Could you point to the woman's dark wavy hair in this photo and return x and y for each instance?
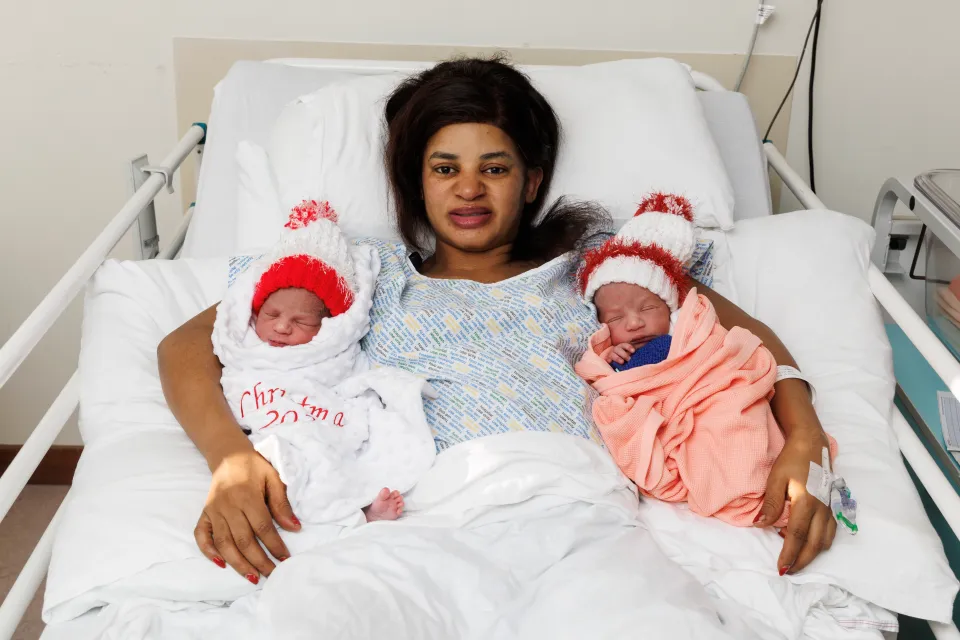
(487, 91)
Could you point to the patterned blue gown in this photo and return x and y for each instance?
(500, 355)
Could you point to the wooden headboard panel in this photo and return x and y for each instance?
(200, 63)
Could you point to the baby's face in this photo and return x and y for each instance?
(290, 317)
(634, 315)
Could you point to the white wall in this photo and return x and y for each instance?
(886, 101)
(86, 85)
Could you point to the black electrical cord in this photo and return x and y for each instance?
(813, 73)
(816, 15)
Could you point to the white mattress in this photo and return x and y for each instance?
(252, 95)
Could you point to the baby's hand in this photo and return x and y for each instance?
(620, 353)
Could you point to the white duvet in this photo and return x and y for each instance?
(525, 535)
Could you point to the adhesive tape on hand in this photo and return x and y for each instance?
(820, 479)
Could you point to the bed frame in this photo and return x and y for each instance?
(139, 216)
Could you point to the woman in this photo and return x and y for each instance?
(471, 152)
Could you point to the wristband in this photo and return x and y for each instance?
(786, 372)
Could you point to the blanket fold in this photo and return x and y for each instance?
(697, 427)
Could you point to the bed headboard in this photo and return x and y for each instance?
(200, 63)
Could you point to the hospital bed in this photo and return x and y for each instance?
(207, 230)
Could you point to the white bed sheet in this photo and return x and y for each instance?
(251, 96)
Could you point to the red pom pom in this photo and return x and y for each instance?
(309, 211)
(666, 203)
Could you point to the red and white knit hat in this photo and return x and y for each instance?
(312, 254)
(650, 251)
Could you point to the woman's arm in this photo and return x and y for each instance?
(246, 492)
(190, 376)
(811, 527)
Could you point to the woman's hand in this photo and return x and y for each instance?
(811, 527)
(246, 495)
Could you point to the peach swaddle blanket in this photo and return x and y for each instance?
(697, 427)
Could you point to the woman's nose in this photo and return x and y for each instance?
(469, 186)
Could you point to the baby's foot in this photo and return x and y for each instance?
(388, 505)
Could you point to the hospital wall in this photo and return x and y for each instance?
(85, 86)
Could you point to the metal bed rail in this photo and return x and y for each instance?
(929, 346)
(139, 211)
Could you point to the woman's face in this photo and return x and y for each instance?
(475, 186)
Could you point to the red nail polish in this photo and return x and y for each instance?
(782, 534)
(219, 562)
(783, 570)
(254, 578)
(758, 518)
(282, 558)
(295, 520)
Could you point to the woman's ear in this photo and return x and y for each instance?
(534, 180)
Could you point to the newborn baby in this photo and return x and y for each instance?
(684, 404)
(639, 323)
(293, 316)
(290, 317)
(346, 439)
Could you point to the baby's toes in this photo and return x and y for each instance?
(384, 494)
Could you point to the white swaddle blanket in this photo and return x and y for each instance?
(336, 430)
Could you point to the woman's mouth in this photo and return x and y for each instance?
(470, 217)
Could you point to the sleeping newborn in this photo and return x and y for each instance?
(684, 403)
(639, 323)
(345, 438)
(290, 317)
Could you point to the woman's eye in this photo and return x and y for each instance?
(496, 170)
(443, 170)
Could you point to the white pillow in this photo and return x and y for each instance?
(804, 275)
(129, 307)
(630, 127)
(112, 528)
(327, 145)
